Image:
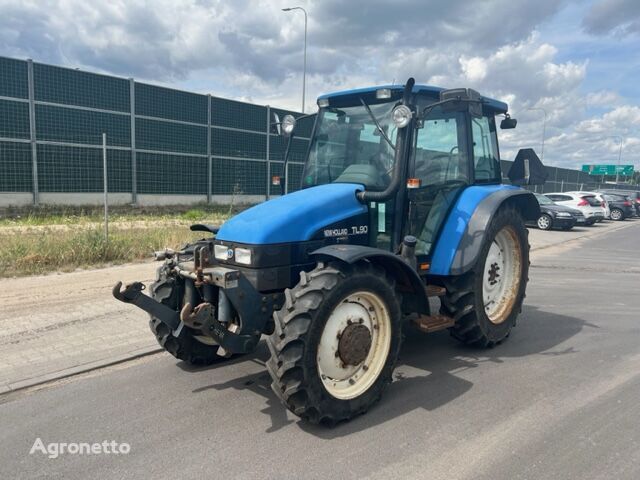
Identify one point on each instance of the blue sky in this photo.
(579, 60)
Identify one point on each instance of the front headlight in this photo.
(243, 255)
(222, 252)
(563, 214)
(401, 116)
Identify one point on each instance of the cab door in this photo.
(440, 163)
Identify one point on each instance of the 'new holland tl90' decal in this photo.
(345, 232)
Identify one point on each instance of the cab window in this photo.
(486, 161)
(440, 153)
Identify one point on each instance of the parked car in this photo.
(600, 197)
(634, 197)
(553, 215)
(620, 206)
(589, 205)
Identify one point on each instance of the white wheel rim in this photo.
(543, 222)
(344, 381)
(615, 215)
(501, 276)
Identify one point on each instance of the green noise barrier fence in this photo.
(160, 142)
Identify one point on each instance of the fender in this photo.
(409, 283)
(462, 235)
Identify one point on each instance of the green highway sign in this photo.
(624, 170)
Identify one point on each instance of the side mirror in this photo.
(276, 124)
(508, 123)
(527, 169)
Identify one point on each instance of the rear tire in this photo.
(617, 214)
(483, 324)
(326, 383)
(186, 346)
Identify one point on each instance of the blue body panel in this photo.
(294, 217)
(456, 224)
(497, 105)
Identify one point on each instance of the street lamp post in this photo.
(304, 68)
(619, 156)
(544, 128)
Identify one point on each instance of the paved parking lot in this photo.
(557, 400)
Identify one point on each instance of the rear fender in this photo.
(459, 244)
(408, 282)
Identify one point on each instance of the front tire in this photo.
(486, 301)
(336, 342)
(545, 222)
(186, 346)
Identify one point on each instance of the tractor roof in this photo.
(496, 105)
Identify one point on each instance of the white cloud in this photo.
(251, 50)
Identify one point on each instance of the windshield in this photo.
(542, 200)
(348, 147)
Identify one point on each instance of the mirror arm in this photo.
(284, 164)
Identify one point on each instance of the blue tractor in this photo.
(401, 200)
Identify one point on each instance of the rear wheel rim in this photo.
(348, 371)
(501, 275)
(616, 214)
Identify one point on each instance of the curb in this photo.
(72, 371)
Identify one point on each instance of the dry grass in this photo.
(42, 241)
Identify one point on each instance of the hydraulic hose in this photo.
(396, 176)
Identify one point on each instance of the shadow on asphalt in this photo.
(434, 358)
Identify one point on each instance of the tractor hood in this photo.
(295, 217)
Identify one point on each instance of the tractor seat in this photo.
(365, 174)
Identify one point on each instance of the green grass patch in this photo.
(38, 251)
(64, 215)
(38, 240)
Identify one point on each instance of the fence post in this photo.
(268, 194)
(134, 162)
(105, 188)
(32, 134)
(209, 159)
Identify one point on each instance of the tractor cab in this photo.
(435, 142)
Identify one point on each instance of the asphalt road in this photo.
(559, 399)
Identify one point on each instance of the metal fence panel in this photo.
(79, 169)
(13, 78)
(170, 137)
(15, 167)
(160, 102)
(14, 119)
(163, 174)
(239, 115)
(75, 87)
(70, 125)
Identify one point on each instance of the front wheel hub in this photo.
(354, 344)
